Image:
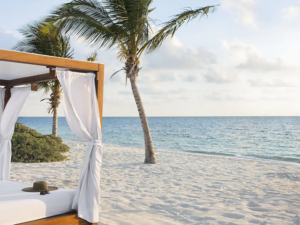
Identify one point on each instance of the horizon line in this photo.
(151, 116)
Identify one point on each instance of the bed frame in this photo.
(51, 63)
(63, 219)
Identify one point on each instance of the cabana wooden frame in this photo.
(51, 63)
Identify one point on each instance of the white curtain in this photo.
(82, 114)
(8, 118)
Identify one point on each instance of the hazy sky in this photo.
(242, 60)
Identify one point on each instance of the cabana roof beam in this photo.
(44, 60)
(33, 79)
(3, 82)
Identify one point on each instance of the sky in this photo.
(241, 60)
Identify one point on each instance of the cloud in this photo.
(117, 78)
(221, 75)
(165, 78)
(7, 39)
(264, 96)
(155, 77)
(275, 83)
(279, 98)
(224, 96)
(244, 9)
(159, 91)
(126, 92)
(119, 99)
(261, 64)
(291, 12)
(249, 58)
(174, 56)
(190, 78)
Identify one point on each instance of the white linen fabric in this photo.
(17, 206)
(82, 114)
(8, 118)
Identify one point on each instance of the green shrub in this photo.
(29, 146)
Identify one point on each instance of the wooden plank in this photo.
(3, 82)
(63, 219)
(43, 60)
(100, 90)
(32, 79)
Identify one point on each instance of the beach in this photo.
(183, 188)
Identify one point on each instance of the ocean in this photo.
(268, 138)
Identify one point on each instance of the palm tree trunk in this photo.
(55, 101)
(149, 150)
(54, 124)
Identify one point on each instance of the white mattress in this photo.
(17, 206)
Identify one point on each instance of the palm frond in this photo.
(45, 86)
(116, 72)
(89, 20)
(38, 42)
(92, 57)
(121, 54)
(170, 27)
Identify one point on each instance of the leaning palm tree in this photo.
(126, 26)
(39, 40)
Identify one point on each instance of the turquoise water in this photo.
(275, 138)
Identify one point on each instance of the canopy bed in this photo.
(82, 84)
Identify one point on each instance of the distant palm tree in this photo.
(125, 26)
(39, 40)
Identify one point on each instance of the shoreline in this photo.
(204, 153)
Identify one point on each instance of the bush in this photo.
(29, 146)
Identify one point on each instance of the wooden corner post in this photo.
(99, 82)
(7, 95)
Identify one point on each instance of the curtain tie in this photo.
(95, 142)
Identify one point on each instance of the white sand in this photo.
(182, 189)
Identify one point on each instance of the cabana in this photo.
(82, 84)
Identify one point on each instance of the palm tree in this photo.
(55, 89)
(126, 26)
(39, 40)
